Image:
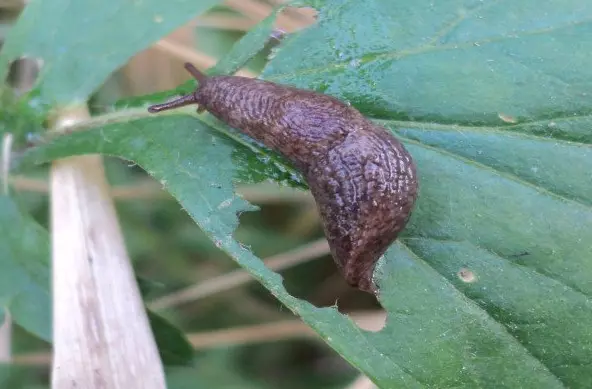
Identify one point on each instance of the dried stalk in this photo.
(262, 193)
(281, 330)
(225, 22)
(102, 338)
(253, 334)
(6, 339)
(188, 54)
(6, 326)
(239, 277)
(257, 10)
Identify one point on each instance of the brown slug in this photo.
(362, 178)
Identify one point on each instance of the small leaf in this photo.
(173, 346)
(24, 279)
(147, 287)
(247, 47)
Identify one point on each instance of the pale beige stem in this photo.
(225, 22)
(240, 277)
(268, 332)
(6, 151)
(6, 339)
(258, 10)
(258, 333)
(281, 330)
(262, 193)
(6, 326)
(12, 4)
(101, 335)
(253, 9)
(188, 54)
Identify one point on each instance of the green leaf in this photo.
(24, 279)
(19, 377)
(456, 61)
(173, 346)
(17, 117)
(82, 43)
(147, 286)
(247, 47)
(489, 285)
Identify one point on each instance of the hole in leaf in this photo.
(23, 73)
(466, 275)
(373, 321)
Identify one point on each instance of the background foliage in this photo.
(488, 286)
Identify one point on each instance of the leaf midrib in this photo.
(502, 174)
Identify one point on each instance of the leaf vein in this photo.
(502, 174)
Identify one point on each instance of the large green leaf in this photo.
(455, 61)
(489, 285)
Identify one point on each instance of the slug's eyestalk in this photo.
(183, 100)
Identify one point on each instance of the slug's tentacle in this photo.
(362, 178)
(176, 103)
(183, 100)
(199, 76)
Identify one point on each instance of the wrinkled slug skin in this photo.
(362, 178)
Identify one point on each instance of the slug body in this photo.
(362, 178)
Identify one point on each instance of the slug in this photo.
(363, 180)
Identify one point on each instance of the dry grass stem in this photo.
(5, 163)
(187, 54)
(257, 10)
(6, 325)
(12, 4)
(240, 277)
(263, 193)
(6, 339)
(269, 332)
(281, 330)
(102, 338)
(269, 193)
(225, 22)
(259, 333)
(41, 358)
(252, 9)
